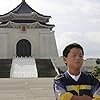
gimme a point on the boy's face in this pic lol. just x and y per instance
(74, 60)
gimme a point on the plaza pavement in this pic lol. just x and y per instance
(26, 89)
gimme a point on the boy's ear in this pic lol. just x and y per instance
(65, 60)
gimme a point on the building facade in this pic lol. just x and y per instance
(25, 32)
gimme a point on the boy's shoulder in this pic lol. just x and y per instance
(59, 77)
(86, 74)
(89, 76)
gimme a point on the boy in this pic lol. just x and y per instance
(74, 84)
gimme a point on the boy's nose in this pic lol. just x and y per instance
(77, 57)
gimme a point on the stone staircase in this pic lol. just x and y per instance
(27, 67)
(26, 89)
(23, 67)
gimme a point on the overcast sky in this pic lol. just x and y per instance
(75, 21)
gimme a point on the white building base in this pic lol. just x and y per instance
(23, 67)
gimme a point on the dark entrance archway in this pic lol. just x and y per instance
(23, 48)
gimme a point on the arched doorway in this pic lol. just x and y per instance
(23, 48)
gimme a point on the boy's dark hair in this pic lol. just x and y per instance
(71, 46)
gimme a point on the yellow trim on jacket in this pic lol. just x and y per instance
(66, 96)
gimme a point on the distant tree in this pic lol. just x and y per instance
(96, 72)
(98, 61)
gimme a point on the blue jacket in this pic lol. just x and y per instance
(65, 86)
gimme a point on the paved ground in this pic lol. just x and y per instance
(26, 89)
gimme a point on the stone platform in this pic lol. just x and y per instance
(26, 89)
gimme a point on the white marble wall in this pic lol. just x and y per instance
(42, 42)
(3, 45)
(48, 45)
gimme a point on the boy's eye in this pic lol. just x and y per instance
(81, 55)
(76, 55)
